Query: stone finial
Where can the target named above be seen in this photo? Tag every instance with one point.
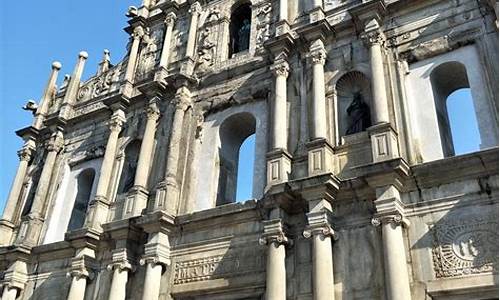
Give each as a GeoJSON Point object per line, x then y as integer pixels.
{"type": "Point", "coordinates": [132, 12]}
{"type": "Point", "coordinates": [56, 65]}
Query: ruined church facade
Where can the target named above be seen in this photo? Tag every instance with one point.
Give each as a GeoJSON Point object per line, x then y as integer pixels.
{"type": "Point", "coordinates": [126, 185]}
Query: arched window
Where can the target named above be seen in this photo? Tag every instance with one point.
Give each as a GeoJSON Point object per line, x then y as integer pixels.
{"type": "Point", "coordinates": [246, 163]}
{"type": "Point", "coordinates": [463, 122]}
{"type": "Point", "coordinates": [446, 79]}
{"type": "Point", "coordinates": [239, 28]}
{"type": "Point", "coordinates": [129, 166]}
{"type": "Point", "coordinates": [233, 132]}
{"type": "Point", "coordinates": [353, 103]}
{"type": "Point", "coordinates": [84, 183]}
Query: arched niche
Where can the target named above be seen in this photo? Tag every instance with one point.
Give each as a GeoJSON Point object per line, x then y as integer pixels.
{"type": "Point", "coordinates": [353, 103]}
{"type": "Point", "coordinates": [129, 167]}
{"type": "Point", "coordinates": [84, 184]}
{"type": "Point", "coordinates": [240, 28]}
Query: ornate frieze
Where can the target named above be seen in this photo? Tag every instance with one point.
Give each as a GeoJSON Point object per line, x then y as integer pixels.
{"type": "Point", "coordinates": [219, 266]}
{"type": "Point", "coordinates": [465, 247]}
{"type": "Point", "coordinates": [263, 24]}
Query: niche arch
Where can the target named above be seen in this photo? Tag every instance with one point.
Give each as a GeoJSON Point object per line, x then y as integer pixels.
{"type": "Point", "coordinates": [240, 28]}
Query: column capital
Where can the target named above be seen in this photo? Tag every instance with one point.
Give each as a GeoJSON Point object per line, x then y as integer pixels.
{"type": "Point", "coordinates": [319, 224]}
{"type": "Point", "coordinates": [116, 124]}
{"type": "Point", "coordinates": [25, 153]}
{"type": "Point", "coordinates": [138, 32]}
{"type": "Point", "coordinates": [274, 232]}
{"type": "Point", "coordinates": [81, 268]}
{"type": "Point", "coordinates": [170, 19]}
{"type": "Point", "coordinates": [121, 260]}
{"type": "Point", "coordinates": [155, 260]}
{"type": "Point", "coordinates": [182, 99]}
{"type": "Point", "coordinates": [317, 53]}
{"type": "Point", "coordinates": [373, 37]}
{"type": "Point", "coordinates": [152, 111]}
{"type": "Point", "coordinates": [280, 68]}
{"type": "Point", "coordinates": [55, 142]}
{"type": "Point", "coordinates": [396, 219]}
{"type": "Point", "coordinates": [195, 8]}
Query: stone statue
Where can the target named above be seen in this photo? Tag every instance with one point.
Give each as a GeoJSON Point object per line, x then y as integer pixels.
{"type": "Point", "coordinates": [129, 180]}
{"type": "Point", "coordinates": [359, 115]}
{"type": "Point", "coordinates": [244, 36]}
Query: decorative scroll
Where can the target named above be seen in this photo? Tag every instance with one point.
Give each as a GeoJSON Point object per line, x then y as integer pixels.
{"type": "Point", "coordinates": [465, 248]}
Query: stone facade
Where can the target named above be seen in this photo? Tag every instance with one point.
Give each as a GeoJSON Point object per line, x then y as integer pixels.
{"type": "Point", "coordinates": [126, 182]}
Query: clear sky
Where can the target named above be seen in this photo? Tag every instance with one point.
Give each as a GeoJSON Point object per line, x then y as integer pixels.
{"type": "Point", "coordinates": [35, 33]}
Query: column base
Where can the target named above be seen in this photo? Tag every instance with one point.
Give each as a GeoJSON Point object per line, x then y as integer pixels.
{"type": "Point", "coordinates": [282, 27]}
{"type": "Point", "coordinates": [167, 196]}
{"type": "Point", "coordinates": [320, 157]}
{"type": "Point", "coordinates": [29, 231]}
{"type": "Point", "coordinates": [384, 142]}
{"type": "Point", "coordinates": [136, 201]}
{"type": "Point", "coordinates": [97, 213]}
{"type": "Point", "coordinates": [279, 167]}
{"type": "Point", "coordinates": [187, 67]}
{"type": "Point", "coordinates": [6, 230]}
{"type": "Point", "coordinates": [316, 14]}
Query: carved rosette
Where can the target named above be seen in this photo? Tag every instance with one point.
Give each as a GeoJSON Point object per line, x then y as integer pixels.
{"type": "Point", "coordinates": [319, 224]}
{"type": "Point", "coordinates": [274, 233]}
{"type": "Point", "coordinates": [55, 142]}
{"type": "Point", "coordinates": [396, 219]}
{"type": "Point", "coordinates": [280, 68]}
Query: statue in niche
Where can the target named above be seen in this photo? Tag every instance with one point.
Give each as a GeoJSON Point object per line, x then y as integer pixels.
{"type": "Point", "coordinates": [244, 35]}
{"type": "Point", "coordinates": [359, 115]}
{"type": "Point", "coordinates": [131, 167]}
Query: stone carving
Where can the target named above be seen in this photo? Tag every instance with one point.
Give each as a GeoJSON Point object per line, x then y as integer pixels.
{"type": "Point", "coordinates": [149, 53]}
{"type": "Point", "coordinates": [359, 115]}
{"type": "Point", "coordinates": [263, 24]}
{"type": "Point", "coordinates": [99, 85]}
{"type": "Point", "coordinates": [214, 267]}
{"type": "Point", "coordinates": [206, 53]}
{"type": "Point", "coordinates": [214, 14]}
{"type": "Point", "coordinates": [465, 248]}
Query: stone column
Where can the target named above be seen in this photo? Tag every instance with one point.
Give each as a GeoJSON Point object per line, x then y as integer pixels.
{"type": "Point", "coordinates": [137, 35]}
{"type": "Point", "coordinates": [167, 194]}
{"type": "Point", "coordinates": [390, 217]}
{"type": "Point", "coordinates": [73, 86]}
{"type": "Point", "coordinates": [283, 10]}
{"type": "Point", "coordinates": [9, 292]}
{"type": "Point", "coordinates": [279, 125]}
{"type": "Point", "coordinates": [322, 233]}
{"type": "Point", "coordinates": [25, 155]}
{"type": "Point", "coordinates": [374, 40]}
{"type": "Point", "coordinates": [318, 58]}
{"type": "Point", "coordinates": [139, 190]}
{"type": "Point", "coordinates": [78, 286]}
{"type": "Point", "coordinates": [195, 11]}
{"type": "Point", "coordinates": [99, 207]}
{"type": "Point", "coordinates": [165, 52]}
{"type": "Point", "coordinates": [35, 217]}
{"type": "Point", "coordinates": [274, 237]}
{"type": "Point", "coordinates": [118, 290]}
{"type": "Point", "coordinates": [152, 280]}
{"type": "Point", "coordinates": [48, 95]}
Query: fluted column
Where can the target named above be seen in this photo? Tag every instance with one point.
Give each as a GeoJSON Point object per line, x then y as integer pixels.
{"type": "Point", "coordinates": [169, 26]}
{"type": "Point", "coordinates": [48, 95]}
{"type": "Point", "coordinates": [318, 59]}
{"type": "Point", "coordinates": [141, 175]}
{"type": "Point", "coordinates": [35, 217]}
{"type": "Point", "coordinates": [98, 209]}
{"type": "Point", "coordinates": [195, 11]}
{"type": "Point", "coordinates": [374, 40]}
{"type": "Point", "coordinates": [279, 124]}
{"type": "Point", "coordinates": [139, 191]}
{"type": "Point", "coordinates": [321, 232]}
{"type": "Point", "coordinates": [118, 290]}
{"type": "Point", "coordinates": [9, 292]}
{"type": "Point", "coordinates": [274, 237]}
{"type": "Point", "coordinates": [25, 155]}
{"type": "Point", "coordinates": [137, 35]}
{"type": "Point", "coordinates": [168, 190]}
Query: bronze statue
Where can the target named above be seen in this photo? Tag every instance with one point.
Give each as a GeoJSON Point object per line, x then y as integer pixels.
{"type": "Point", "coordinates": [359, 115]}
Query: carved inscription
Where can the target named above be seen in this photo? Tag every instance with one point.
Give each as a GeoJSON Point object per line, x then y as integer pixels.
{"type": "Point", "coordinates": [465, 248]}
{"type": "Point", "coordinates": [213, 267]}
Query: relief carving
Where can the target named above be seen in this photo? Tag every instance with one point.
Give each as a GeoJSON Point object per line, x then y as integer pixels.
{"type": "Point", "coordinates": [206, 52]}
{"type": "Point", "coordinates": [263, 24]}
{"type": "Point", "coordinates": [149, 52]}
{"type": "Point", "coordinates": [465, 248]}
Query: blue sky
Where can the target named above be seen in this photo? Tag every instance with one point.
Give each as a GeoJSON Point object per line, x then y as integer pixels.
{"type": "Point", "coordinates": [35, 33]}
